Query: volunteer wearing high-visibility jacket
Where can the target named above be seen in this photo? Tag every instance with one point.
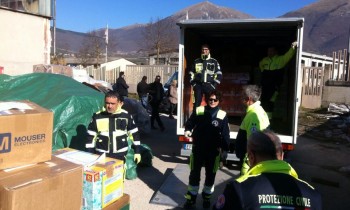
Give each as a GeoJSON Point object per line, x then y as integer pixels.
{"type": "Point", "coordinates": [272, 75]}
{"type": "Point", "coordinates": [109, 129]}
{"type": "Point", "coordinates": [205, 75]}
{"type": "Point", "coordinates": [255, 119]}
{"type": "Point", "coordinates": [208, 127]}
{"type": "Point", "coordinates": [271, 183]}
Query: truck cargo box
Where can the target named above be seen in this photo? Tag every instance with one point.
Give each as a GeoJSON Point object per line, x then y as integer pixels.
{"type": "Point", "coordinates": [239, 45]}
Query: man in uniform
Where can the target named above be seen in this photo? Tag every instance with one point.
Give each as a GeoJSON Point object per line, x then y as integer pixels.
{"type": "Point", "coordinates": [272, 75]}
{"type": "Point", "coordinates": [205, 75]}
{"type": "Point", "coordinates": [255, 119]}
{"type": "Point", "coordinates": [109, 130]}
{"type": "Point", "coordinates": [208, 126]}
{"type": "Point", "coordinates": [271, 183]}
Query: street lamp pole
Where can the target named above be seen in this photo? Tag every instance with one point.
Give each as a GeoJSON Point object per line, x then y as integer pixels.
{"type": "Point", "coordinates": [106, 40]}
{"type": "Point", "coordinates": [347, 78]}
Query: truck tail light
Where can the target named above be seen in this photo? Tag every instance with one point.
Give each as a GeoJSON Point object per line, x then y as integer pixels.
{"type": "Point", "coordinates": [185, 139]}
{"type": "Point", "coordinates": [288, 147]}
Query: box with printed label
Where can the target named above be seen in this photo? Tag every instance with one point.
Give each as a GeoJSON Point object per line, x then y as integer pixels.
{"type": "Point", "coordinates": [25, 133]}
{"type": "Point", "coordinates": [112, 179]}
{"type": "Point", "coordinates": [109, 170]}
{"type": "Point", "coordinates": [53, 185]}
{"type": "Point", "coordinates": [92, 190]}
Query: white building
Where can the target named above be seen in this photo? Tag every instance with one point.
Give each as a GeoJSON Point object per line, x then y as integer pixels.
{"type": "Point", "coordinates": [109, 71]}
{"type": "Point", "coordinates": [165, 58]}
{"type": "Point", "coordinates": [336, 65]}
{"type": "Point", "coordinates": [116, 64]}
{"type": "Point", "coordinates": [315, 60]}
{"type": "Point", "coordinates": [25, 35]}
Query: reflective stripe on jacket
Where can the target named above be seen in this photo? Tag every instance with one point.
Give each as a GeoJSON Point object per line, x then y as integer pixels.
{"type": "Point", "coordinates": [209, 127]}
{"type": "Point", "coordinates": [206, 70]}
{"type": "Point", "coordinates": [109, 132]}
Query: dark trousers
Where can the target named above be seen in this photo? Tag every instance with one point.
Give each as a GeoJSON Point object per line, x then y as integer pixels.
{"type": "Point", "coordinates": [155, 114]}
{"type": "Point", "coordinates": [199, 89]}
{"type": "Point", "coordinates": [172, 109]}
{"type": "Point", "coordinates": [210, 160]}
{"type": "Point", "coordinates": [270, 83]}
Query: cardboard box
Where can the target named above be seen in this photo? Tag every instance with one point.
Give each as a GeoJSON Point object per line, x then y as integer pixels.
{"type": "Point", "coordinates": [112, 179]}
{"type": "Point", "coordinates": [54, 185]}
{"type": "Point", "coordinates": [122, 203]}
{"type": "Point", "coordinates": [54, 69]}
{"type": "Point", "coordinates": [25, 133]}
{"type": "Point", "coordinates": [92, 190]}
{"type": "Point", "coordinates": [103, 177]}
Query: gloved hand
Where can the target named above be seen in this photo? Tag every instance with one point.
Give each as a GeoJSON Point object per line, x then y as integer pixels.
{"type": "Point", "coordinates": [188, 134]}
{"type": "Point", "coordinates": [137, 158]}
{"type": "Point", "coordinates": [294, 44]}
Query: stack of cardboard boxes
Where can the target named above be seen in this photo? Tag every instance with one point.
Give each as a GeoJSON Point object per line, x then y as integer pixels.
{"type": "Point", "coordinates": [40, 180]}
{"type": "Point", "coordinates": [231, 88]}
{"type": "Point", "coordinates": [31, 177]}
{"type": "Point", "coordinates": [102, 179]}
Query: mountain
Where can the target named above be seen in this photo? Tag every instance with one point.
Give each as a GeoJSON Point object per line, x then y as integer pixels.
{"type": "Point", "coordinates": [326, 27]}
{"type": "Point", "coordinates": [128, 38]}
{"type": "Point", "coordinates": [68, 42]}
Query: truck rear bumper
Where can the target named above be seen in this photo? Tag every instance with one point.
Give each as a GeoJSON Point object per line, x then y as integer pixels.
{"type": "Point", "coordinates": [230, 156]}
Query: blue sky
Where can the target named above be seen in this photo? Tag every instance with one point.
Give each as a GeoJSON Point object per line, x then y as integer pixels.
{"type": "Point", "coordinates": [87, 15]}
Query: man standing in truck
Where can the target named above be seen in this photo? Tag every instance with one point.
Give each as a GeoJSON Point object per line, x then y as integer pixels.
{"type": "Point", "coordinates": [208, 127]}
{"type": "Point", "coordinates": [205, 75]}
{"type": "Point", "coordinates": [272, 75]}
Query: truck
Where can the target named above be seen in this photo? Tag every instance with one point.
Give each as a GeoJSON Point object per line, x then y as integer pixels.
{"type": "Point", "coordinates": [239, 45]}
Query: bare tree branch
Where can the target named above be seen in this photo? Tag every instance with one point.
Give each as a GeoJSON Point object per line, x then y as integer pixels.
{"type": "Point", "coordinates": [158, 36]}
{"type": "Point", "coordinates": [92, 49]}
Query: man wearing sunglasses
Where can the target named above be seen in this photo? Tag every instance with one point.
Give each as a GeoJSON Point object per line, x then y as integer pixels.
{"type": "Point", "coordinates": [205, 75]}
{"type": "Point", "coordinates": [208, 127]}
{"type": "Point", "coordinates": [255, 120]}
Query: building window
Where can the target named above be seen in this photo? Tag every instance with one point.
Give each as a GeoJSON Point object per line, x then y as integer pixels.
{"type": "Point", "coordinates": [37, 7]}
{"type": "Point", "coordinates": [161, 61]}
{"type": "Point", "coordinates": [174, 60]}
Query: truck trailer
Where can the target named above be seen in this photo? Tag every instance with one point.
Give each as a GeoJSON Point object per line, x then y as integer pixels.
{"type": "Point", "coordinates": [239, 45]}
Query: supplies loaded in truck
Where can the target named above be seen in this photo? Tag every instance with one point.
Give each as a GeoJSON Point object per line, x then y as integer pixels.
{"type": "Point", "coordinates": [239, 45]}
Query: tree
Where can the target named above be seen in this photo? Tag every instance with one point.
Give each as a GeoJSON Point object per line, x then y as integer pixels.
{"type": "Point", "coordinates": [58, 60]}
{"type": "Point", "coordinates": [92, 49]}
{"type": "Point", "coordinates": [158, 36]}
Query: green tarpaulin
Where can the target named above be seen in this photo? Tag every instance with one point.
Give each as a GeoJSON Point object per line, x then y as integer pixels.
{"type": "Point", "coordinates": [72, 103]}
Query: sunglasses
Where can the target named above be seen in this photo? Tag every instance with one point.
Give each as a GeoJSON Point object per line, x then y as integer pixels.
{"type": "Point", "coordinates": [213, 99]}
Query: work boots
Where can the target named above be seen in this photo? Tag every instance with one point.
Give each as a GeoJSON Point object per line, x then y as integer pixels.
{"type": "Point", "coordinates": [206, 200]}
{"type": "Point", "coordinates": [190, 201]}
